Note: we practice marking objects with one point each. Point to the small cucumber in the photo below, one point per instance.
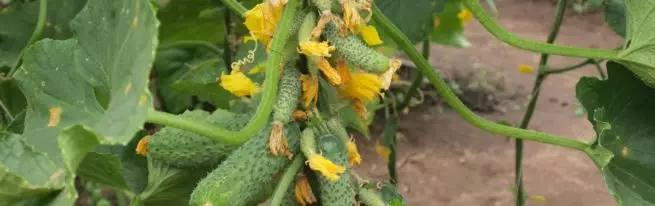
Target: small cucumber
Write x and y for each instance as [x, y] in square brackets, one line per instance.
[386, 192]
[339, 192]
[356, 52]
[288, 95]
[248, 175]
[181, 148]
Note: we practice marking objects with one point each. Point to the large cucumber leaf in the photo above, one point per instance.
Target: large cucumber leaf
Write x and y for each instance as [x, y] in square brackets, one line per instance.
[638, 56]
[621, 108]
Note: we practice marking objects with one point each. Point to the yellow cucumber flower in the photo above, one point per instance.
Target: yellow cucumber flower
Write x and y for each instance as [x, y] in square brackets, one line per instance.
[309, 89]
[262, 21]
[370, 35]
[465, 16]
[387, 76]
[526, 69]
[326, 167]
[142, 146]
[383, 151]
[351, 18]
[238, 84]
[303, 191]
[314, 48]
[362, 86]
[277, 142]
[344, 71]
[331, 73]
[353, 155]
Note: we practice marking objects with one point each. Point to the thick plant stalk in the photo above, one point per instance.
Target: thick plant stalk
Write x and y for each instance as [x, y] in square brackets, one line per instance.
[457, 105]
[286, 180]
[502, 34]
[265, 107]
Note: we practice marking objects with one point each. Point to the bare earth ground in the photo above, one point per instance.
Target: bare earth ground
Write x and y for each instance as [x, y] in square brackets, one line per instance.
[445, 161]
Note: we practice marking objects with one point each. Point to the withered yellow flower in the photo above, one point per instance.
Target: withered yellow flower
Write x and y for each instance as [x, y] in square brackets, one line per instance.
[351, 18]
[383, 151]
[331, 73]
[238, 84]
[370, 35]
[309, 89]
[277, 142]
[318, 49]
[142, 146]
[303, 191]
[353, 155]
[344, 71]
[387, 76]
[326, 167]
[526, 69]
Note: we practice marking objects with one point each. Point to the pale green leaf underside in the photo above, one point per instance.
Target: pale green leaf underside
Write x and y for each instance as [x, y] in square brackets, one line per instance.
[621, 112]
[639, 57]
[98, 79]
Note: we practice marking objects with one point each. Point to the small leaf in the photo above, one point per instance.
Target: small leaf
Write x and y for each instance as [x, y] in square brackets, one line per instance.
[200, 80]
[447, 28]
[168, 185]
[182, 21]
[19, 22]
[620, 111]
[413, 18]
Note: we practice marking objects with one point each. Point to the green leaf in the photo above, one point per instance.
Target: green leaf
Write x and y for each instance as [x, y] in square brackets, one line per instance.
[168, 185]
[615, 15]
[620, 110]
[200, 80]
[449, 30]
[181, 20]
[99, 84]
[413, 18]
[12, 97]
[26, 176]
[169, 66]
[640, 33]
[117, 166]
[19, 22]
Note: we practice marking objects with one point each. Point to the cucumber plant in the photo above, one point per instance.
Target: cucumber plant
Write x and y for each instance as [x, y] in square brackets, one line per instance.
[229, 102]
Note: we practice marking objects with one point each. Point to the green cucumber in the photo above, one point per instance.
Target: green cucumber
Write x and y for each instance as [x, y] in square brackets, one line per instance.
[182, 148]
[247, 176]
[386, 192]
[339, 192]
[356, 52]
[289, 90]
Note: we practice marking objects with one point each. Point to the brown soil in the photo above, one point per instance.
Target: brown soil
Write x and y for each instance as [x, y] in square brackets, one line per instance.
[445, 161]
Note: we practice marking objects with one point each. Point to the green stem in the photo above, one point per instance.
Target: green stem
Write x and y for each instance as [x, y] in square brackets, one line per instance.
[600, 70]
[7, 112]
[501, 33]
[543, 62]
[286, 180]
[417, 79]
[38, 30]
[265, 107]
[190, 44]
[120, 197]
[236, 7]
[457, 105]
[547, 71]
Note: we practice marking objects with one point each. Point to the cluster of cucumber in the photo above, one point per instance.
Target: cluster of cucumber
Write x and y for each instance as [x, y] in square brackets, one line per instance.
[247, 174]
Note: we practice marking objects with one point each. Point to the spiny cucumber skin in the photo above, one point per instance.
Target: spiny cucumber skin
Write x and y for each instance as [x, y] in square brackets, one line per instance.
[336, 128]
[355, 51]
[288, 95]
[247, 176]
[339, 192]
[184, 149]
[308, 142]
